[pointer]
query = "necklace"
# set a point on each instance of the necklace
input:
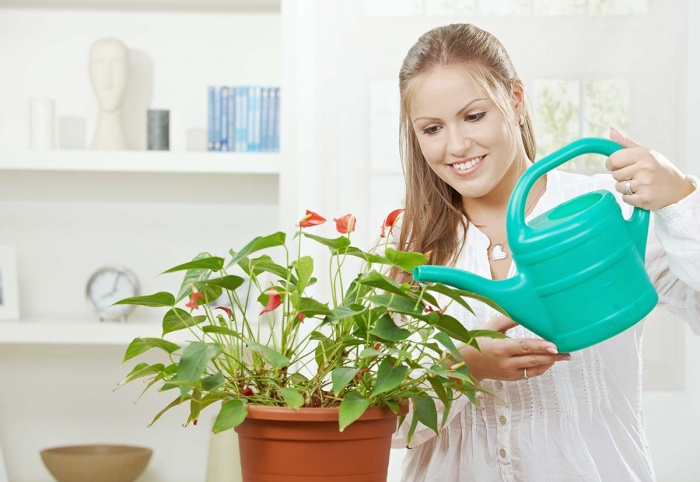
(497, 251)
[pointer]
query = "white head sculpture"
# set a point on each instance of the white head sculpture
(109, 71)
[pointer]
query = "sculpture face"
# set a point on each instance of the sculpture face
(109, 70)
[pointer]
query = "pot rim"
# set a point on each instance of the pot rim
(315, 414)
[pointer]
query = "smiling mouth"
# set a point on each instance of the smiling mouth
(463, 166)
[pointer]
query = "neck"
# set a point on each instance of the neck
(109, 133)
(489, 209)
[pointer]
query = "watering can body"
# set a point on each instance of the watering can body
(581, 276)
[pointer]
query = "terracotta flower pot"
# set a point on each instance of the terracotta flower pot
(278, 444)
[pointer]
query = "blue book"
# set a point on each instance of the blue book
(217, 120)
(265, 119)
(276, 119)
(242, 118)
(224, 119)
(231, 127)
(211, 92)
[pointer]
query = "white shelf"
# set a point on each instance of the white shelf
(213, 5)
(141, 161)
(56, 332)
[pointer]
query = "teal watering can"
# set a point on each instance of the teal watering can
(581, 276)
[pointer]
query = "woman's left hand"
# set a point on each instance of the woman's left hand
(653, 181)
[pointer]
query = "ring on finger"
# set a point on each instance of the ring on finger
(628, 187)
(525, 377)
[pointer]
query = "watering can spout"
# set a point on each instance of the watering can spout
(512, 295)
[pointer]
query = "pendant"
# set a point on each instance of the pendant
(497, 252)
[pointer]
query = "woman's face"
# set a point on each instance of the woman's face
(462, 133)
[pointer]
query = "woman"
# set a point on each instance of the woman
(467, 138)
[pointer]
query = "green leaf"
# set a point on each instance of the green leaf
(451, 326)
(264, 263)
(310, 307)
(275, 358)
(351, 408)
(337, 244)
(172, 404)
(292, 398)
(232, 414)
(213, 382)
(425, 411)
(304, 268)
(342, 312)
(451, 293)
(193, 276)
(228, 282)
(178, 319)
(387, 330)
(369, 353)
(369, 257)
(143, 370)
(378, 280)
(406, 260)
(389, 377)
(258, 243)
(447, 342)
(213, 263)
(341, 377)
(195, 359)
(220, 330)
(142, 345)
(398, 304)
(159, 299)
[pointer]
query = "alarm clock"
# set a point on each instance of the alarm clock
(108, 285)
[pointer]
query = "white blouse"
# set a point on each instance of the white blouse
(581, 420)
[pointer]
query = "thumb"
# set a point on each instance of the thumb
(624, 141)
(501, 323)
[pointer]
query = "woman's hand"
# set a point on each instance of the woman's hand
(506, 359)
(653, 181)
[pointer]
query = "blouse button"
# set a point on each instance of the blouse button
(502, 453)
(499, 385)
(502, 419)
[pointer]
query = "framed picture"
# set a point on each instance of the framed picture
(9, 296)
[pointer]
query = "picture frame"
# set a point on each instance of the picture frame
(9, 292)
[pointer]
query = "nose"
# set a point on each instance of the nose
(459, 141)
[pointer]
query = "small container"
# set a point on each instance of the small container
(158, 130)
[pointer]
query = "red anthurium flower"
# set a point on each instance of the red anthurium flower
(430, 309)
(345, 224)
(457, 381)
(247, 392)
(377, 346)
(273, 301)
(227, 310)
(301, 317)
(311, 219)
(358, 376)
(390, 220)
(195, 299)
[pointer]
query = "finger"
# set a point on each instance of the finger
(534, 372)
(500, 323)
(621, 139)
(628, 187)
(533, 361)
(624, 173)
(526, 346)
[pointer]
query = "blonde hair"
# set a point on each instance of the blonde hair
(433, 208)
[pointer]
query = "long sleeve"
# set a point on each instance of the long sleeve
(673, 258)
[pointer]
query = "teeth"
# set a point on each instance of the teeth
(467, 165)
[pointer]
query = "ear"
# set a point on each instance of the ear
(517, 97)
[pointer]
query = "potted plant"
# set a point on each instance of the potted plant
(274, 357)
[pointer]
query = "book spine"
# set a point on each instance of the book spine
(217, 120)
(231, 128)
(211, 92)
(224, 119)
(265, 119)
(276, 120)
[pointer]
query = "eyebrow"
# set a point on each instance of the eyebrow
(459, 113)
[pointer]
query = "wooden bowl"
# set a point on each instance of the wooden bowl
(96, 463)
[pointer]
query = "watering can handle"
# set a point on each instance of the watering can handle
(515, 222)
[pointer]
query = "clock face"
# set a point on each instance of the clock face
(109, 285)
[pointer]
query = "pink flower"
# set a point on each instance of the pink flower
(311, 219)
(390, 220)
(345, 224)
(273, 301)
(195, 299)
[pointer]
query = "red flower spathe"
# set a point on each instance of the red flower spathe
(311, 219)
(195, 299)
(274, 300)
(345, 224)
(390, 220)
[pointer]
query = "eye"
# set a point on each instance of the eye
(430, 130)
(474, 117)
